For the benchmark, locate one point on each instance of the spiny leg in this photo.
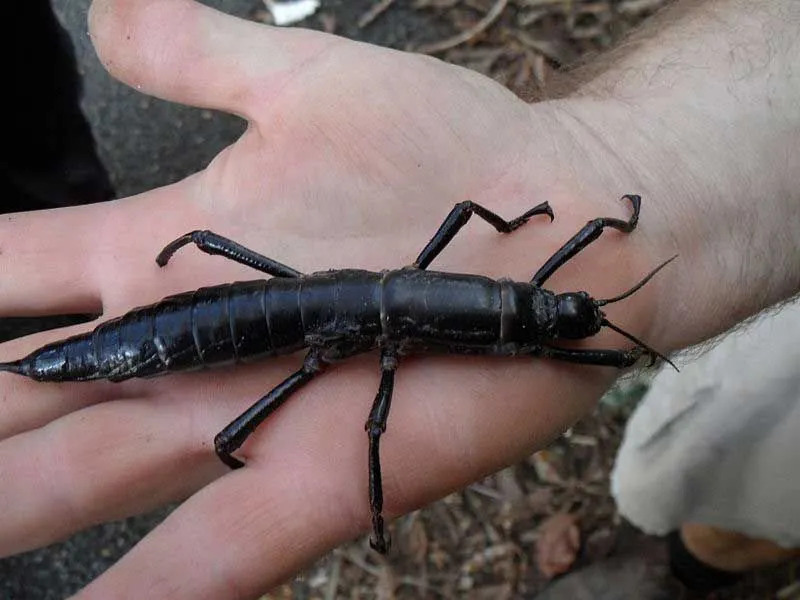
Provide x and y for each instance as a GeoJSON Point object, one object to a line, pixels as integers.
{"type": "Point", "coordinates": [600, 357]}
{"type": "Point", "coordinates": [460, 215]}
{"type": "Point", "coordinates": [234, 435]}
{"type": "Point", "coordinates": [211, 243]}
{"type": "Point", "coordinates": [589, 233]}
{"type": "Point", "coordinates": [375, 426]}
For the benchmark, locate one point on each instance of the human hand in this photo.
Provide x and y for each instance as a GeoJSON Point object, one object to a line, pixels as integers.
{"type": "Point", "coordinates": [353, 156]}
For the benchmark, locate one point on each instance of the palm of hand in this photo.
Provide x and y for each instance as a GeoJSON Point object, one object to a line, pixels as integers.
{"type": "Point", "coordinates": [353, 156]}
{"type": "Point", "coordinates": [359, 142]}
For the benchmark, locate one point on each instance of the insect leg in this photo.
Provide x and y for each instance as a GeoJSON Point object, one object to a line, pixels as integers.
{"type": "Point", "coordinates": [589, 233]}
{"type": "Point", "coordinates": [375, 426]}
{"type": "Point", "coordinates": [234, 435]}
{"type": "Point", "coordinates": [601, 357]}
{"type": "Point", "coordinates": [460, 215]}
{"type": "Point", "coordinates": [211, 243]}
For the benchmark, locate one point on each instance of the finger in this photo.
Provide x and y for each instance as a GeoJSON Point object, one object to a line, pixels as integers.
{"type": "Point", "coordinates": [42, 262]}
{"type": "Point", "coordinates": [120, 457]}
{"type": "Point", "coordinates": [76, 260]}
{"type": "Point", "coordinates": [251, 529]}
{"type": "Point", "coordinates": [101, 463]}
{"type": "Point", "coordinates": [183, 51]}
{"type": "Point", "coordinates": [235, 540]}
{"type": "Point", "coordinates": [27, 404]}
{"type": "Point", "coordinates": [121, 257]}
{"type": "Point", "coordinates": [304, 488]}
{"type": "Point", "coordinates": [69, 260]}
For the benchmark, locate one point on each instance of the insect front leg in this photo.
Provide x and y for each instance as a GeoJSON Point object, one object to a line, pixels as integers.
{"type": "Point", "coordinates": [375, 426]}
{"type": "Point", "coordinates": [211, 243]}
{"type": "Point", "coordinates": [588, 233]}
{"type": "Point", "coordinates": [601, 357]}
{"type": "Point", "coordinates": [233, 436]}
{"type": "Point", "coordinates": [459, 216]}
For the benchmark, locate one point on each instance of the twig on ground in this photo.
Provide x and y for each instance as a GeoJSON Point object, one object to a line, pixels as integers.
{"type": "Point", "coordinates": [374, 12]}
{"type": "Point", "coordinates": [556, 50]}
{"type": "Point", "coordinates": [467, 34]}
{"type": "Point", "coordinates": [332, 588]}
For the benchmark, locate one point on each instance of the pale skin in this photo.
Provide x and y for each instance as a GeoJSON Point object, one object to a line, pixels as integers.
{"type": "Point", "coordinates": [353, 156]}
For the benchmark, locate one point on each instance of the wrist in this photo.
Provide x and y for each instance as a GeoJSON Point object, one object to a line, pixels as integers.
{"type": "Point", "coordinates": [702, 121]}
{"type": "Point", "coordinates": [732, 222]}
{"type": "Point", "coordinates": [583, 181]}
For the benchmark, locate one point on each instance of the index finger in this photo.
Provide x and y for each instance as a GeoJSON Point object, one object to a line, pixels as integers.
{"type": "Point", "coordinates": [41, 258]}
{"type": "Point", "coordinates": [304, 488]}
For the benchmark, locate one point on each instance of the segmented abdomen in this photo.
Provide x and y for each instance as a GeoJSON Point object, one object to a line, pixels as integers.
{"type": "Point", "coordinates": [217, 325]}
{"type": "Point", "coordinates": [209, 326]}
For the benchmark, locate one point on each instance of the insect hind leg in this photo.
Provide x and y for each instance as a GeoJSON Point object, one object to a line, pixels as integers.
{"type": "Point", "coordinates": [234, 435]}
{"type": "Point", "coordinates": [212, 243]}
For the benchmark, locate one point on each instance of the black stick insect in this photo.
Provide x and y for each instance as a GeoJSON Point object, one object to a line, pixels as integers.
{"type": "Point", "coordinates": [337, 314]}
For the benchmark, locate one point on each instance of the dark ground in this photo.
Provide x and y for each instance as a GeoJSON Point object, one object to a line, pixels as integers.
{"type": "Point", "coordinates": [476, 544]}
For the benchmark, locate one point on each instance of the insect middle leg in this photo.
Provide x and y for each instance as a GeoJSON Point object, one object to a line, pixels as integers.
{"type": "Point", "coordinates": [375, 427]}
{"type": "Point", "coordinates": [211, 243]}
{"type": "Point", "coordinates": [588, 233]}
{"type": "Point", "coordinates": [459, 216]}
{"type": "Point", "coordinates": [234, 435]}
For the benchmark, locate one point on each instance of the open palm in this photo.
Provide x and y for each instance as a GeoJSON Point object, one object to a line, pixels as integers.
{"type": "Point", "coordinates": [352, 157]}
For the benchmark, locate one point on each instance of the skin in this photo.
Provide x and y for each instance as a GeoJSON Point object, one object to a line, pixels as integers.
{"type": "Point", "coordinates": [732, 551]}
{"type": "Point", "coordinates": [353, 156]}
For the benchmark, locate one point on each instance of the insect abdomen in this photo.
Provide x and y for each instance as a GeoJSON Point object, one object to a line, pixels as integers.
{"type": "Point", "coordinates": [216, 325]}
{"type": "Point", "coordinates": [211, 326]}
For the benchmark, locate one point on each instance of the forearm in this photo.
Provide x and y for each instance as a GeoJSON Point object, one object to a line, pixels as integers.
{"type": "Point", "coordinates": [700, 113]}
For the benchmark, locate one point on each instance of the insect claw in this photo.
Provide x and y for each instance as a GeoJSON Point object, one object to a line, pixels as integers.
{"type": "Point", "coordinates": [223, 450]}
{"type": "Point", "coordinates": [231, 461]}
{"type": "Point", "coordinates": [654, 356]}
{"type": "Point", "coordinates": [381, 545]}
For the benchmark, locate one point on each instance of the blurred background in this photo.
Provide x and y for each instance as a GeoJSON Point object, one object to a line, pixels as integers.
{"type": "Point", "coordinates": [479, 543]}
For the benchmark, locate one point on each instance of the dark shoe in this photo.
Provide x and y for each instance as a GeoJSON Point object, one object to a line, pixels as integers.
{"type": "Point", "coordinates": [692, 572]}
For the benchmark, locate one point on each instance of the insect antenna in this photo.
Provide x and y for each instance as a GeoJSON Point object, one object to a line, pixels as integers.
{"type": "Point", "coordinates": [638, 342]}
{"type": "Point", "coordinates": [638, 286]}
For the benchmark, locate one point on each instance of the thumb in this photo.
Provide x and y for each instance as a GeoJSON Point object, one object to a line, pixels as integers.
{"type": "Point", "coordinates": [183, 51]}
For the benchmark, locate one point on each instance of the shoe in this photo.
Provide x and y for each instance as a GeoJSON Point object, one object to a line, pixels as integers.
{"type": "Point", "coordinates": [694, 573]}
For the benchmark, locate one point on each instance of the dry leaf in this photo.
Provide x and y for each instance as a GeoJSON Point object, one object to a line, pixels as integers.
{"type": "Point", "coordinates": [558, 544]}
